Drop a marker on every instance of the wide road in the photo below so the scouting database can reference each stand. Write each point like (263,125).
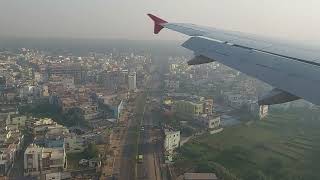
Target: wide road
(151,150)
(127,162)
(126,159)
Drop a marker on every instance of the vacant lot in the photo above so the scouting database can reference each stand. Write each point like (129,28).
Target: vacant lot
(286,145)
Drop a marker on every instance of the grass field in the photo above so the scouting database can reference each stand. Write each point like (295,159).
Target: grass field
(286,145)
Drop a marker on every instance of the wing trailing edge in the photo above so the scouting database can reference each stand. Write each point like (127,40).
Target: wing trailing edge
(277,96)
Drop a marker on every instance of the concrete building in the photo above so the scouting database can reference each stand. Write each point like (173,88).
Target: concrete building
(172,84)
(38,77)
(48,133)
(132,81)
(113,80)
(188,108)
(235,100)
(208,106)
(74,143)
(55,136)
(210,122)
(39,160)
(263,111)
(66,81)
(171,140)
(17,120)
(45,91)
(89,111)
(32,160)
(76,71)
(67,104)
(7,158)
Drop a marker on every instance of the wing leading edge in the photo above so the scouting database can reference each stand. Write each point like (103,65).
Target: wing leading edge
(293,71)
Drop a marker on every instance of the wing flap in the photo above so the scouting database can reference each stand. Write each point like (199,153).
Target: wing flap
(283,73)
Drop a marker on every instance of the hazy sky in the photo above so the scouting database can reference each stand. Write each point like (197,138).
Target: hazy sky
(126,19)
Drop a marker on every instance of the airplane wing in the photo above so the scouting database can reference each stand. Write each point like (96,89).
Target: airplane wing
(293,71)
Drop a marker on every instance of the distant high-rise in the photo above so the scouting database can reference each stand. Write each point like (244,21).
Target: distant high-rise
(77,71)
(132,80)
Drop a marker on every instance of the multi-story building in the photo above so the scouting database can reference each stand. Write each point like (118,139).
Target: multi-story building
(7,158)
(75,143)
(39,160)
(67,104)
(208,106)
(188,108)
(233,99)
(48,133)
(113,80)
(210,122)
(171,140)
(263,111)
(74,70)
(32,160)
(89,111)
(172,84)
(66,81)
(16,120)
(132,81)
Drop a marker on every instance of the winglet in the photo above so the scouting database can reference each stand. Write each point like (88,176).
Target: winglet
(158,23)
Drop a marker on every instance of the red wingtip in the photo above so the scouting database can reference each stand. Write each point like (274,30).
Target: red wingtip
(158,23)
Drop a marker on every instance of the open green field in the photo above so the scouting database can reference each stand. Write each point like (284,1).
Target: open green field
(286,145)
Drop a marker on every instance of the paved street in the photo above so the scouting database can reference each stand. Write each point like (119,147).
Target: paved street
(124,167)
(151,149)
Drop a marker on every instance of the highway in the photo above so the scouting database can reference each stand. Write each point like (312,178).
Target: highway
(150,148)
(126,163)
(147,144)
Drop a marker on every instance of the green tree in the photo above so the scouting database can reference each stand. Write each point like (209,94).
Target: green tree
(91,151)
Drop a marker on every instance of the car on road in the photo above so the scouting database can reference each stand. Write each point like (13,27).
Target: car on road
(140,158)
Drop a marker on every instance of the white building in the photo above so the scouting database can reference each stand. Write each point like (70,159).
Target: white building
(132,81)
(263,111)
(32,160)
(171,141)
(39,160)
